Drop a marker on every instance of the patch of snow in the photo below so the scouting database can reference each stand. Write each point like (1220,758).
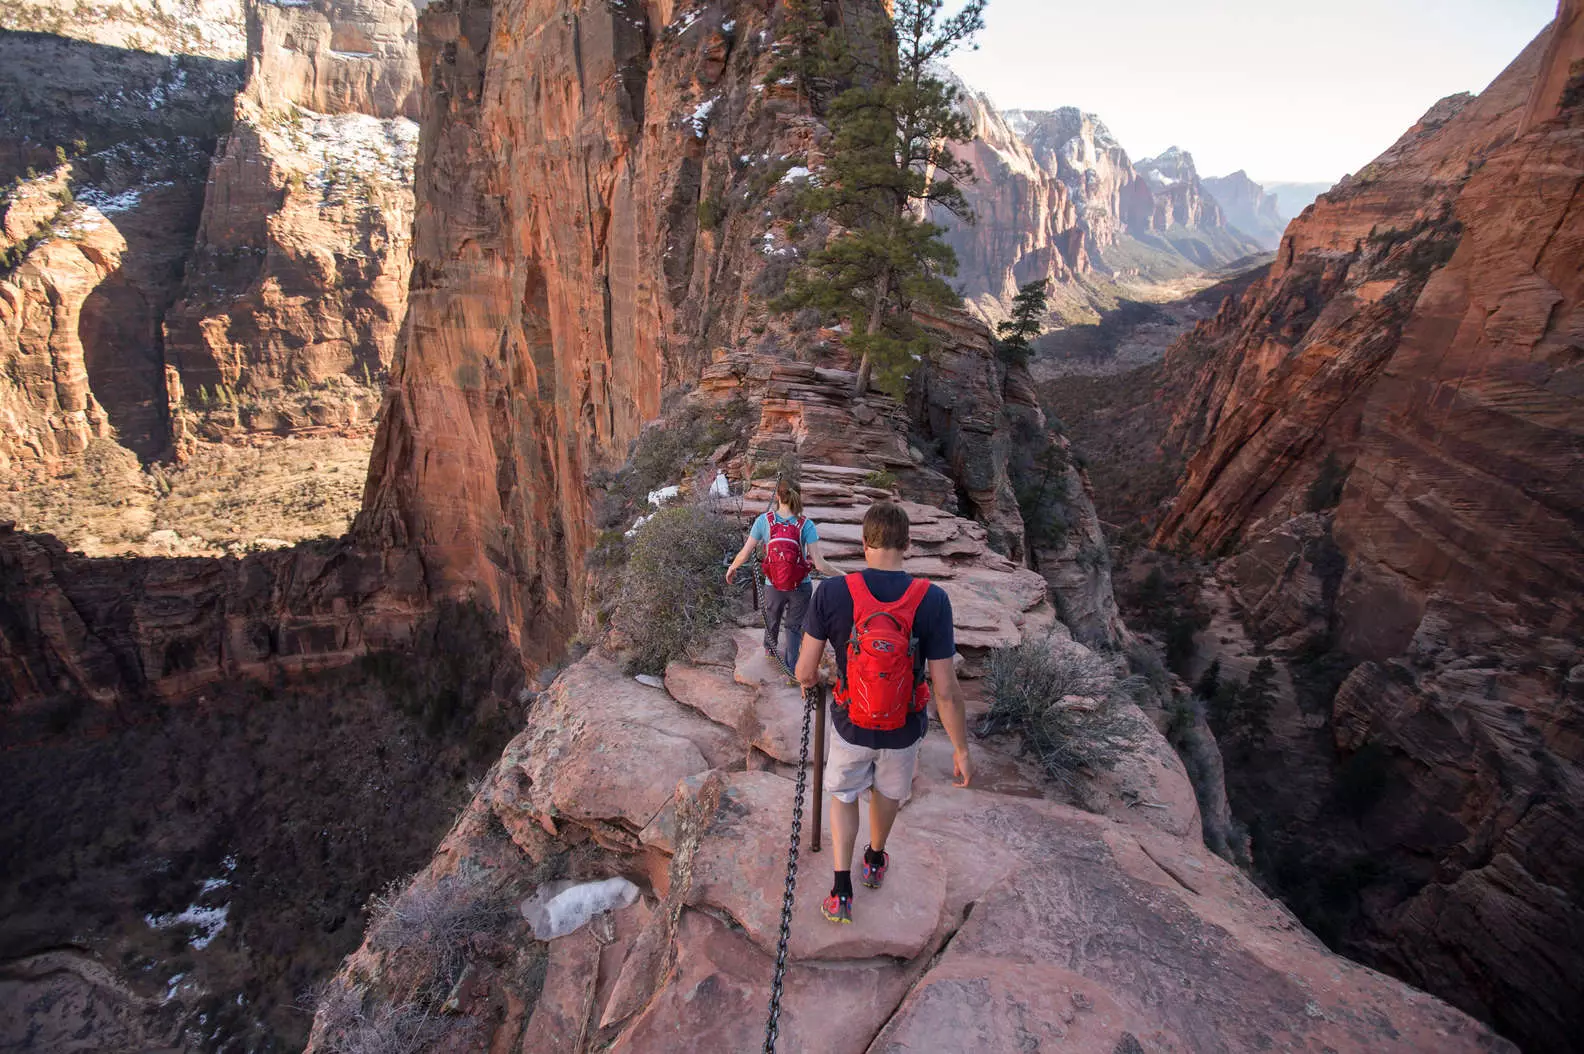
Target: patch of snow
(110,204)
(700,117)
(728,25)
(637,524)
(352,54)
(720,488)
(355,144)
(686,21)
(649,680)
(559,908)
(172,986)
(797,172)
(664,494)
(208,921)
(290,3)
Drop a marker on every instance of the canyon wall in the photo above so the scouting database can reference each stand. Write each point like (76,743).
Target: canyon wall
(1412,360)
(168,291)
(299,272)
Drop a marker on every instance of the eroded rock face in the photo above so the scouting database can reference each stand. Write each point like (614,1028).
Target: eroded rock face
(1411,359)
(301,263)
(564,277)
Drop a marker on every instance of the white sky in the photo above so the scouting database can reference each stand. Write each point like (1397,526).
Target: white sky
(1288,91)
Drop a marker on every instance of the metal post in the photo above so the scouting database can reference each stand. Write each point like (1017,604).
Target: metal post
(819,764)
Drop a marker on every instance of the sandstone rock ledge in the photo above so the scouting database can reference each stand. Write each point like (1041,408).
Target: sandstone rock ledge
(1010,921)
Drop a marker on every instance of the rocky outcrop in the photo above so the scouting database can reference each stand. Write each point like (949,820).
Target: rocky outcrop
(1410,359)
(301,262)
(1248,207)
(1065,928)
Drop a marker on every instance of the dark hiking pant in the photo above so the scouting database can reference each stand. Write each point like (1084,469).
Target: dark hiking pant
(784,611)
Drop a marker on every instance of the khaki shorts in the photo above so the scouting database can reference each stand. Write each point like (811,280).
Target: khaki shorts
(850,770)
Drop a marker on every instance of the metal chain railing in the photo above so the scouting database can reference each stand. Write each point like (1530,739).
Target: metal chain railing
(810,705)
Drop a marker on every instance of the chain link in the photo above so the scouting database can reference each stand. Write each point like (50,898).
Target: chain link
(772,1026)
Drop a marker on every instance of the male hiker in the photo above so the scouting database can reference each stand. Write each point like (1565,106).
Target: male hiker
(887,629)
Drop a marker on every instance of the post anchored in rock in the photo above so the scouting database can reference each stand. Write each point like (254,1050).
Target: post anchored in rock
(818,702)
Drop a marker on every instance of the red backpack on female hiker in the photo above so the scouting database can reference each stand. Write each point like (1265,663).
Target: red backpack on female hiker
(785,564)
(885,673)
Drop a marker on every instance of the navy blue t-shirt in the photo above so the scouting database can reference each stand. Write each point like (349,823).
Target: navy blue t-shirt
(830,618)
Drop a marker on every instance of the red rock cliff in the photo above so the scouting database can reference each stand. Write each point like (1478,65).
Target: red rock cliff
(1421,333)
(566,274)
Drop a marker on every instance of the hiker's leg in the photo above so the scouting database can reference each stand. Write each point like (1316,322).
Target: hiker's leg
(849,771)
(882,814)
(796,608)
(844,831)
(775,604)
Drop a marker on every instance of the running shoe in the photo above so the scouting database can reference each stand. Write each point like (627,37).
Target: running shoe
(837,909)
(871,875)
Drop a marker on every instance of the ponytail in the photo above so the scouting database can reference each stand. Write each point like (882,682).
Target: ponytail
(787,494)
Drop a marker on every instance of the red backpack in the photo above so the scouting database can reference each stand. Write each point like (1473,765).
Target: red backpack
(885,680)
(785,566)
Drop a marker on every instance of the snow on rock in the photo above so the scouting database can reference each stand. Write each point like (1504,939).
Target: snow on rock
(207,921)
(699,119)
(356,144)
(720,488)
(559,908)
(663,495)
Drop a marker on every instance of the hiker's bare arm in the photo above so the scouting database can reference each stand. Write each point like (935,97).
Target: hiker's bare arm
(824,566)
(742,555)
(808,661)
(948,700)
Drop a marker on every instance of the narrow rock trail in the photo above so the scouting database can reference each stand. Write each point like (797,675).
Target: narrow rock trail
(1009,920)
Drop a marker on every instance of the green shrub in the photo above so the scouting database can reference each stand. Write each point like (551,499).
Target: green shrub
(674,589)
(1241,712)
(880,480)
(710,214)
(1028,685)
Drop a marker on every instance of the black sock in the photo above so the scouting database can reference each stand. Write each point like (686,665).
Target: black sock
(874,857)
(843,886)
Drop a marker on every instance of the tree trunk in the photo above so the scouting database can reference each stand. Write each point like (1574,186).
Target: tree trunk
(876,317)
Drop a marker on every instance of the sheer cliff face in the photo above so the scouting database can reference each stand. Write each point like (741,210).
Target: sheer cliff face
(1027,221)
(1079,150)
(301,263)
(1422,329)
(563,279)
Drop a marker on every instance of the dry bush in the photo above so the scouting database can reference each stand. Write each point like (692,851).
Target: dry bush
(1066,703)
(425,928)
(674,589)
(346,1027)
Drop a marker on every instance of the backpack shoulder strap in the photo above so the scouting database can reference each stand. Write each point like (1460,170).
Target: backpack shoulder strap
(860,593)
(911,599)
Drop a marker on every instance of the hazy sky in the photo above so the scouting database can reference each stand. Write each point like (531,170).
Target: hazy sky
(1288,91)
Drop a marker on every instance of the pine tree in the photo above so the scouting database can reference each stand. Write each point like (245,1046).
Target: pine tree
(888,166)
(1017,334)
(804,51)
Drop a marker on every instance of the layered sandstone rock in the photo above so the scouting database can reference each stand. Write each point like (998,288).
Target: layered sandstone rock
(1248,207)
(301,262)
(1419,335)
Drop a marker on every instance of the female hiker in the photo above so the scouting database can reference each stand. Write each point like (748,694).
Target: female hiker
(791,544)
